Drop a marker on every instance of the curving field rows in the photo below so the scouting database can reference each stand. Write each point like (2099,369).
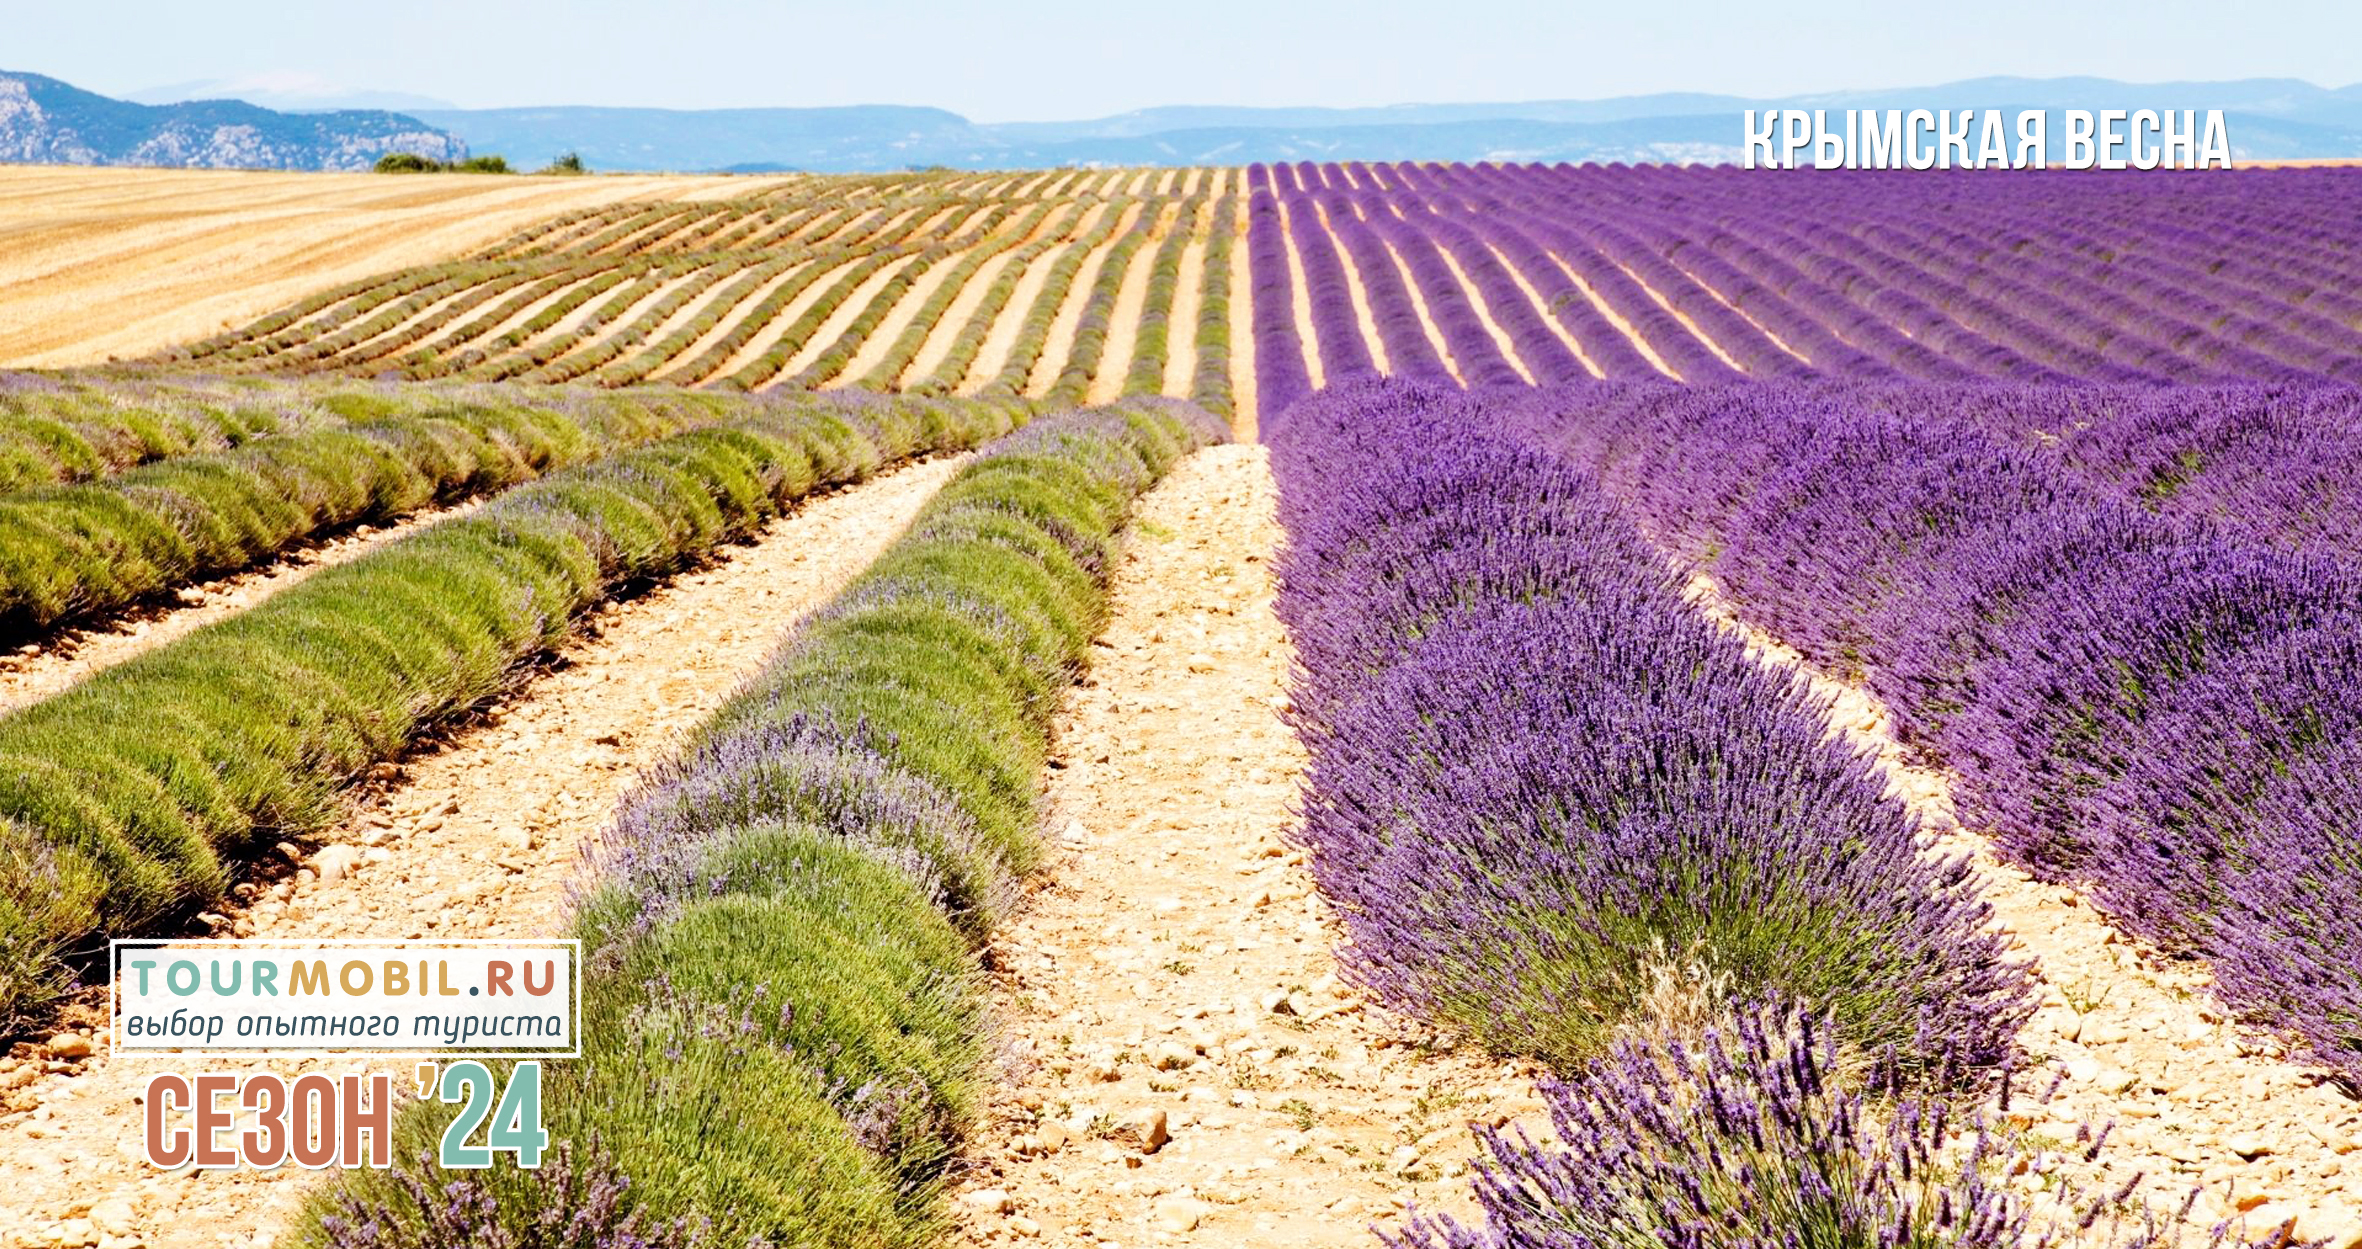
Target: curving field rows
(1928,602)
(1063,286)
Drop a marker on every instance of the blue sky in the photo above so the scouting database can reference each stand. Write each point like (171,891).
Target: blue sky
(1056,59)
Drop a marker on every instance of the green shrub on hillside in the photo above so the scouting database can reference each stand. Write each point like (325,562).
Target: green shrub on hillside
(411,162)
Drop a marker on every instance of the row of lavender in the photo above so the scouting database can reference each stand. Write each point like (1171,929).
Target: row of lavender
(2033,277)
(785,1039)
(2134,637)
(1548,798)
(1711,275)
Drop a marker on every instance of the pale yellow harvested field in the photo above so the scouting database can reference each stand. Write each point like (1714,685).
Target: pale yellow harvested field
(101,263)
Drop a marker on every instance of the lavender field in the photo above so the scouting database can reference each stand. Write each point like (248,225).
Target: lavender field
(1491,274)
(1451,707)
(2054,473)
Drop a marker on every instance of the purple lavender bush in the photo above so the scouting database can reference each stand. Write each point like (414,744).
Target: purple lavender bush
(2279,464)
(2287,952)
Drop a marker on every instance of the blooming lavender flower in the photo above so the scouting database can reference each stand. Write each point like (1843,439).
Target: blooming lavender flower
(2286,952)
(797,771)
(18,382)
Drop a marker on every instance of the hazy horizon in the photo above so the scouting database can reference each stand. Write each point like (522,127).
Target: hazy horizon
(1073,60)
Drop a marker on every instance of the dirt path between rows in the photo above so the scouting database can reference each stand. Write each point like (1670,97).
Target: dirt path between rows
(2194,1099)
(1307,336)
(840,319)
(774,331)
(1363,315)
(1427,323)
(1549,315)
(675,371)
(476,839)
(1688,322)
(1131,298)
(1484,314)
(1173,973)
(962,310)
(1608,313)
(697,306)
(1743,314)
(623,322)
(41,669)
(449,342)
(390,341)
(890,328)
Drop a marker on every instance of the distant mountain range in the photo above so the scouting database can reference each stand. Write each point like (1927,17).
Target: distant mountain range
(2274,118)
(44,121)
(2269,118)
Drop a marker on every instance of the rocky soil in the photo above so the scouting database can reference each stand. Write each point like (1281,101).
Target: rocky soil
(1184,1065)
